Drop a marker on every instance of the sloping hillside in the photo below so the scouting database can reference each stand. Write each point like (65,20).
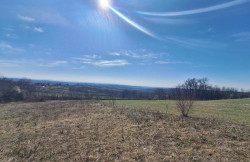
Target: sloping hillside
(92,131)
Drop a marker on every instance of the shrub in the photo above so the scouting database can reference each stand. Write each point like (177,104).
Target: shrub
(185,95)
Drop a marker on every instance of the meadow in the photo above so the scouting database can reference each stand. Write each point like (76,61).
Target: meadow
(124,131)
(235,110)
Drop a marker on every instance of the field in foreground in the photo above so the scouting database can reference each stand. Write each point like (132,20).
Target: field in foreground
(235,110)
(92,131)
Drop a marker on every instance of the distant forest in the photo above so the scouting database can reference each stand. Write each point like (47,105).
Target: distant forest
(27,90)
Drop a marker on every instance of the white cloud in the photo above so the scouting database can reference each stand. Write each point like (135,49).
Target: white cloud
(110,63)
(94,56)
(87,57)
(82,60)
(136,54)
(139,55)
(142,56)
(95,60)
(100,63)
(26,18)
(171,62)
(54,64)
(115,54)
(9,49)
(38,29)
(167,62)
(242,36)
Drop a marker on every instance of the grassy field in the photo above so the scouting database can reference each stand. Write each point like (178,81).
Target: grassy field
(94,131)
(235,111)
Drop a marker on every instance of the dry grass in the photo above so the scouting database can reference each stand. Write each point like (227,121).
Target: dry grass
(91,131)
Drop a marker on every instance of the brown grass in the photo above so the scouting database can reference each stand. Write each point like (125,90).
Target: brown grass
(91,131)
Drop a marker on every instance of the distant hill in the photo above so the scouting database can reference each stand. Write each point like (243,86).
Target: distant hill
(100,85)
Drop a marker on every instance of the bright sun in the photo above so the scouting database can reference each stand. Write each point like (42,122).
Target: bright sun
(104,4)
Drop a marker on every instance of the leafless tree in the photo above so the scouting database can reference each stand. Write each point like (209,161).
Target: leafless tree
(185,95)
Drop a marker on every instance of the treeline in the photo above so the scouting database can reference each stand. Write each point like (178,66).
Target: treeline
(16,90)
(25,90)
(203,91)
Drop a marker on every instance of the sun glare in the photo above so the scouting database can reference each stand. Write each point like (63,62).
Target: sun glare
(104,4)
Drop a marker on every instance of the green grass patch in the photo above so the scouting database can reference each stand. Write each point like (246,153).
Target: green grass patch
(235,111)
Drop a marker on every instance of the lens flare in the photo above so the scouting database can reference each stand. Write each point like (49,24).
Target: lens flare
(104,4)
(137,26)
(196,11)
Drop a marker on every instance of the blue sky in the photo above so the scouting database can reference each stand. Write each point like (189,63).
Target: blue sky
(150,43)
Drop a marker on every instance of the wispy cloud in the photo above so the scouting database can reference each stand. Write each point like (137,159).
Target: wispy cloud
(242,36)
(26,27)
(94,56)
(14,63)
(6,48)
(115,54)
(171,21)
(26,18)
(17,63)
(139,55)
(78,68)
(38,29)
(86,59)
(35,29)
(106,63)
(54,64)
(9,64)
(95,60)
(197,43)
(12,36)
(136,54)
(45,15)
(197,11)
(110,63)
(171,62)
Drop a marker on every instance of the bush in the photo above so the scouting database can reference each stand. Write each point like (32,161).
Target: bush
(185,95)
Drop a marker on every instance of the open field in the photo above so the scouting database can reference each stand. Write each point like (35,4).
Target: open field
(93,131)
(235,111)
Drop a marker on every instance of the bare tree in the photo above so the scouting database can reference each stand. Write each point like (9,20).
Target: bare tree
(185,95)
